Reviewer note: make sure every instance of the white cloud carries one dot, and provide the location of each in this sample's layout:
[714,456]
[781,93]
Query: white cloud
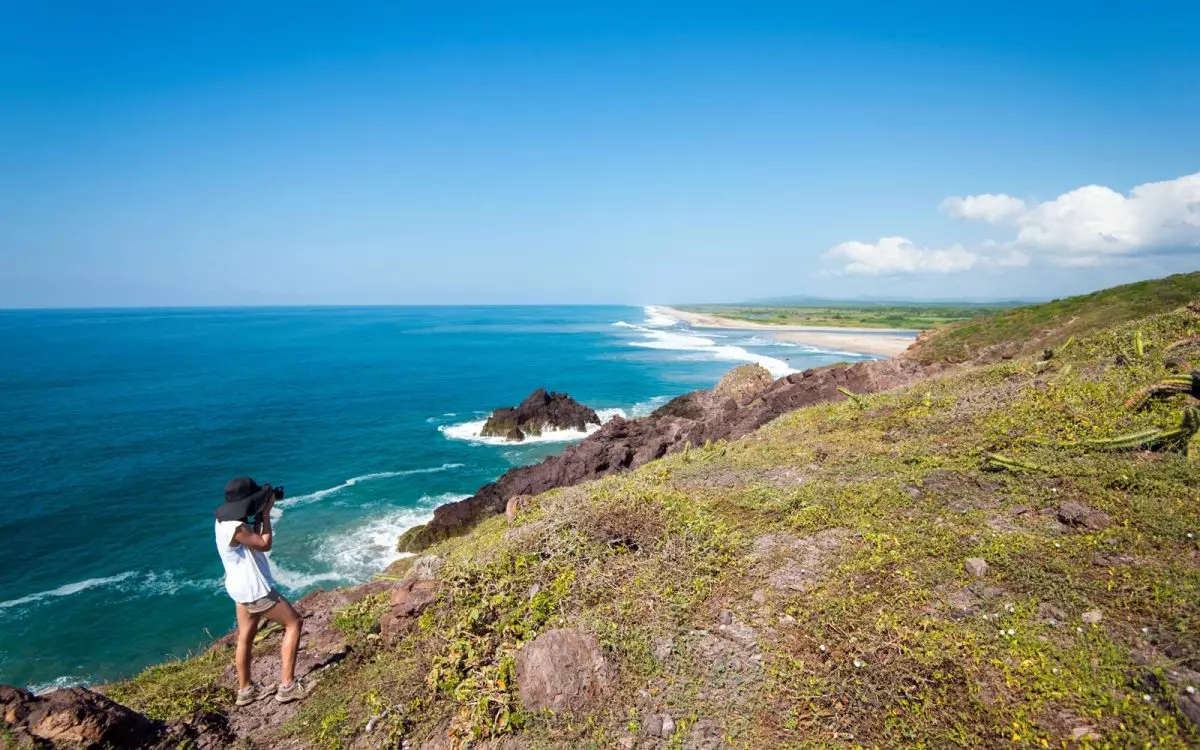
[990,207]
[1089,226]
[892,255]
[1093,225]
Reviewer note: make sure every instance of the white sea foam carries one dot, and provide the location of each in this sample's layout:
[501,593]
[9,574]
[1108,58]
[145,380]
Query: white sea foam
[66,681]
[647,407]
[656,318]
[370,547]
[131,584]
[68,589]
[292,502]
[295,580]
[685,341]
[472,431]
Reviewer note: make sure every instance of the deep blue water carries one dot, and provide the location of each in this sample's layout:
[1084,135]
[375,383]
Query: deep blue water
[119,429]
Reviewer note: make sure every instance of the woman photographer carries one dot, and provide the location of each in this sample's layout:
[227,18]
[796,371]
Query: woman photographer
[243,545]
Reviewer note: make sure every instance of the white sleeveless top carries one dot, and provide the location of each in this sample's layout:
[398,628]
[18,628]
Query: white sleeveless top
[247,572]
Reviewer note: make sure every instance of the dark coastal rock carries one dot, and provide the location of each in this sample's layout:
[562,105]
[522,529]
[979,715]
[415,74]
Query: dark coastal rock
[542,410]
[744,400]
[75,717]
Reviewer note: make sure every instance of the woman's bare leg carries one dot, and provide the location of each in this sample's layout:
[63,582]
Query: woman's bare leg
[293,624]
[247,629]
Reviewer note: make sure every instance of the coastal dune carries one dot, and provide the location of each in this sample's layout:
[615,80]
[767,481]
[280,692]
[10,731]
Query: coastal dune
[881,342]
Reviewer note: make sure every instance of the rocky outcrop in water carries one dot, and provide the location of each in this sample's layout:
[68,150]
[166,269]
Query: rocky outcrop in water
[745,399]
[542,410]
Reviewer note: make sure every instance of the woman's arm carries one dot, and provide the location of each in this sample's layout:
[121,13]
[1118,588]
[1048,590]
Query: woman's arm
[260,538]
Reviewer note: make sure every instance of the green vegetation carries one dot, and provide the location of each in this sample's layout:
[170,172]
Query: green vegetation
[918,317]
[807,586]
[359,619]
[1025,330]
[177,689]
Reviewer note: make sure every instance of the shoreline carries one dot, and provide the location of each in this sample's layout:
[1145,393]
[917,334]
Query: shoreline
[883,342]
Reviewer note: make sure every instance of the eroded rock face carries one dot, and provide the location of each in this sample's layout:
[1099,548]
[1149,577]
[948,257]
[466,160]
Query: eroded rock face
[563,670]
[542,410]
[743,401]
[76,716]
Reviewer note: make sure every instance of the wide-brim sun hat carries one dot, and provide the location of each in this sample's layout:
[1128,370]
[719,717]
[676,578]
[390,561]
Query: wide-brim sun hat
[243,498]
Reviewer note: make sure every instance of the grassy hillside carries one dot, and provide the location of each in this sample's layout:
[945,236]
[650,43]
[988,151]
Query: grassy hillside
[817,583]
[918,317]
[1024,330]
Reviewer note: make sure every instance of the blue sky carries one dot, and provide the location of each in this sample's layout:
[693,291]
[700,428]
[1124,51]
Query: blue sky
[376,153]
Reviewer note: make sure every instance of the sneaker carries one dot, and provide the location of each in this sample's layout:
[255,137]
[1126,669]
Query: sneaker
[298,690]
[254,693]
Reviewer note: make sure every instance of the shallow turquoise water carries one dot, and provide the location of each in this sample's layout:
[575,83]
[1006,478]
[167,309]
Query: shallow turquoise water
[119,429]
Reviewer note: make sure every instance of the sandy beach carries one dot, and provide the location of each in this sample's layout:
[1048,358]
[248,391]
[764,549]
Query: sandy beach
[882,342]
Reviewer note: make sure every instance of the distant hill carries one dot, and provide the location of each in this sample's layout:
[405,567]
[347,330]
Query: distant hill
[801,300]
[1024,330]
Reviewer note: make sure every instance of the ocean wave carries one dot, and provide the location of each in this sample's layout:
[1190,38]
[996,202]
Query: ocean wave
[656,318]
[685,341]
[67,590]
[295,580]
[67,681]
[131,583]
[358,553]
[647,407]
[311,497]
[472,431]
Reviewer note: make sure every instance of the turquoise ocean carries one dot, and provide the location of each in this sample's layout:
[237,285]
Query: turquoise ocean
[119,429]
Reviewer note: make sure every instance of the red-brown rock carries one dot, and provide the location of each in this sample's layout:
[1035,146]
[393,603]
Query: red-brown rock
[412,597]
[563,670]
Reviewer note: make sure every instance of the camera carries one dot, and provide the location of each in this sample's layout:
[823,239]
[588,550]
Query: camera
[277,492]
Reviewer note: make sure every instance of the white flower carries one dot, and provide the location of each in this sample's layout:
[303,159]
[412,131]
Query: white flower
[1147,698]
[1056,544]
[858,663]
[1191,690]
[1012,631]
[1055,670]
[822,647]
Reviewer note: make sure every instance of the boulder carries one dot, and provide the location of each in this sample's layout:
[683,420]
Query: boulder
[76,716]
[412,597]
[1079,515]
[563,670]
[541,410]
[976,566]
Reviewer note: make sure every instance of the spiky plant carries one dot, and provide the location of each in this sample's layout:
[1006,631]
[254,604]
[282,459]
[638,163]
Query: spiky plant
[1166,387]
[1184,343]
[1179,438]
[998,462]
[857,399]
